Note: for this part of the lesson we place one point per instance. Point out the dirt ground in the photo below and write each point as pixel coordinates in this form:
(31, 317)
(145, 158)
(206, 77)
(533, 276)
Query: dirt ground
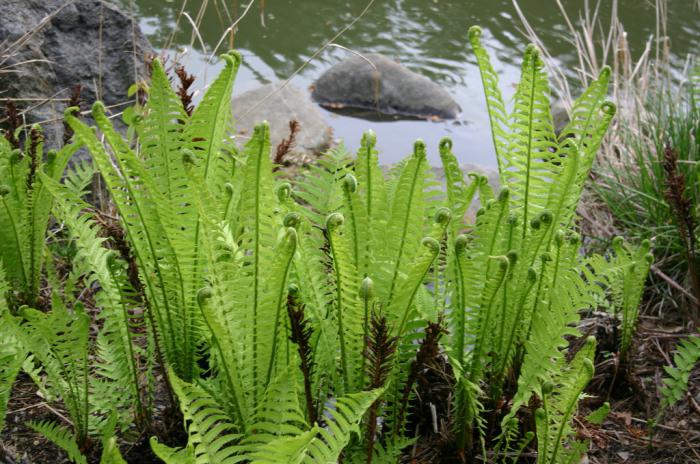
(624, 437)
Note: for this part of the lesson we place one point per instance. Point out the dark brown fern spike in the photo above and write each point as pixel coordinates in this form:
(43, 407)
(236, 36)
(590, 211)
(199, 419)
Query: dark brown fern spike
(301, 333)
(35, 139)
(683, 211)
(380, 347)
(183, 89)
(75, 100)
(426, 359)
(14, 122)
(286, 144)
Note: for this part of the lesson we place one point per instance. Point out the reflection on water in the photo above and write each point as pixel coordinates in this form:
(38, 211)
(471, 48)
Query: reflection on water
(428, 36)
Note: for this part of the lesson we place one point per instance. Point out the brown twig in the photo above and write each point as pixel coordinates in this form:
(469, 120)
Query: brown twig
(428, 351)
(685, 221)
(380, 347)
(35, 140)
(301, 333)
(286, 145)
(14, 122)
(183, 89)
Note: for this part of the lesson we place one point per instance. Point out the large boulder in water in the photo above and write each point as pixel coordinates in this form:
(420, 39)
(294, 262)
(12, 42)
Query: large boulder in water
(280, 104)
(376, 82)
(47, 47)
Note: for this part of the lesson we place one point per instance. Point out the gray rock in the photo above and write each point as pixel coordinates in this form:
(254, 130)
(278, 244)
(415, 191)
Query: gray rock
(49, 46)
(283, 104)
(384, 86)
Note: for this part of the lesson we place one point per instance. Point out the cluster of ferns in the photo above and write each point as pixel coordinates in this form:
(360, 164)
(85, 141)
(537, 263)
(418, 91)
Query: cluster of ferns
(304, 321)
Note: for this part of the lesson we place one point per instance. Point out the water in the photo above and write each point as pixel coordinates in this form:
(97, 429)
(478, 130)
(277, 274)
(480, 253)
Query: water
(428, 36)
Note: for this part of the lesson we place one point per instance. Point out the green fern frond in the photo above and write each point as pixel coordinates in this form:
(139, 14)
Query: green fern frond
(279, 413)
(288, 449)
(211, 434)
(624, 274)
(110, 448)
(405, 223)
(398, 310)
(205, 133)
(160, 133)
(319, 190)
(139, 205)
(12, 356)
(598, 416)
(171, 455)
(25, 207)
(117, 347)
(257, 226)
(460, 194)
(344, 416)
(529, 166)
(494, 100)
(111, 453)
(61, 437)
(347, 311)
(676, 383)
(561, 293)
(372, 192)
(79, 177)
(59, 340)
(560, 397)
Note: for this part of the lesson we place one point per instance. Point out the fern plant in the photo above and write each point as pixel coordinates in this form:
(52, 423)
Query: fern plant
(352, 281)
(623, 274)
(149, 187)
(517, 276)
(85, 378)
(100, 380)
(676, 383)
(12, 354)
(25, 207)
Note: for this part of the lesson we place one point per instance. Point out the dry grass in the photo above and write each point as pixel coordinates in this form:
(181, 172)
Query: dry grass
(633, 78)
(647, 90)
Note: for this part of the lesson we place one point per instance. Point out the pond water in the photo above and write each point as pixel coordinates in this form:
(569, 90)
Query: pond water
(277, 37)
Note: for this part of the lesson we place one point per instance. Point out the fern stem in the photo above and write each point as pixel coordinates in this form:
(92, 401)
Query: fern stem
(530, 128)
(238, 402)
(565, 419)
(479, 345)
(546, 434)
(13, 223)
(353, 224)
(460, 325)
(280, 299)
(368, 167)
(339, 300)
(513, 331)
(553, 285)
(256, 260)
(140, 410)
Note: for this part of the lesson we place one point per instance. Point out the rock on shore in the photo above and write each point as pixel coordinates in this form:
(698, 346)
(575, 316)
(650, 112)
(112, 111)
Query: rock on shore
(49, 46)
(280, 105)
(376, 82)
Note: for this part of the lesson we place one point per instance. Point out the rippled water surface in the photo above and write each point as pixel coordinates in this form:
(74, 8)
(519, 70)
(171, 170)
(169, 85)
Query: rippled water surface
(428, 36)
